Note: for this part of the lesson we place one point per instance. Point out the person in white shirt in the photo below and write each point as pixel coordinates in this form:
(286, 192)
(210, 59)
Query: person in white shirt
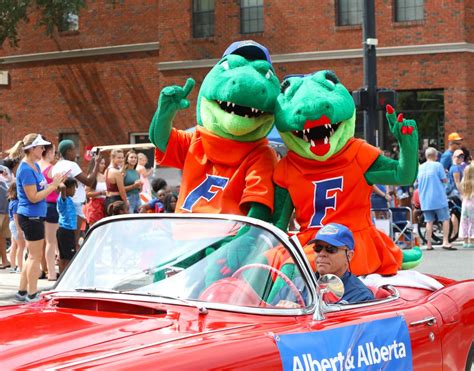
(67, 165)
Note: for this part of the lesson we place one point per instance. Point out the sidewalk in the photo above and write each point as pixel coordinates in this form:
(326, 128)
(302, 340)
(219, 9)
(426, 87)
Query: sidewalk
(9, 283)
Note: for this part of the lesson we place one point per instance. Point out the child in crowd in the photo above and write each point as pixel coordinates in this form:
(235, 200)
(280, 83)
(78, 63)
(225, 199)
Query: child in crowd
(467, 212)
(170, 202)
(18, 240)
(160, 189)
(117, 208)
(66, 233)
(156, 205)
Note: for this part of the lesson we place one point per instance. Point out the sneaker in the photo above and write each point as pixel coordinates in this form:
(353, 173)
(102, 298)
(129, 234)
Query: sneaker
(468, 245)
(36, 297)
(12, 270)
(19, 297)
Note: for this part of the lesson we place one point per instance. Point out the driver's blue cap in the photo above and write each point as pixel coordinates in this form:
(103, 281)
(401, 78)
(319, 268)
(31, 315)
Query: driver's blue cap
(335, 234)
(249, 49)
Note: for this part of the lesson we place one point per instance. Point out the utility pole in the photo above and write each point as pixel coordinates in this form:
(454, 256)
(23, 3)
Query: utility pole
(370, 70)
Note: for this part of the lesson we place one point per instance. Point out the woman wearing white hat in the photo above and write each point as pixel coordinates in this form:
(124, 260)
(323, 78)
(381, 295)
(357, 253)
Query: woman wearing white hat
(32, 190)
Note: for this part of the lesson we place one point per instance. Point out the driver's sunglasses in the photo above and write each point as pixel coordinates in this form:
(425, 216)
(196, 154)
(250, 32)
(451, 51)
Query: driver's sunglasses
(329, 248)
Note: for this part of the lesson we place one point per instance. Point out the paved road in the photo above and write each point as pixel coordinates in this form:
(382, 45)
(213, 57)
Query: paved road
(453, 264)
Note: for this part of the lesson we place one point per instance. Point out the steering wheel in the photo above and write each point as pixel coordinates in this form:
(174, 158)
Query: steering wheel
(280, 274)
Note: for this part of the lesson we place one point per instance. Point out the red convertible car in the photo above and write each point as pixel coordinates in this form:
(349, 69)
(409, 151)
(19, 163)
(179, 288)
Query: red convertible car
(169, 291)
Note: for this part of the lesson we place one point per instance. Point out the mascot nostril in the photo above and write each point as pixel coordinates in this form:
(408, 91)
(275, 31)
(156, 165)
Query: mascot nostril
(327, 175)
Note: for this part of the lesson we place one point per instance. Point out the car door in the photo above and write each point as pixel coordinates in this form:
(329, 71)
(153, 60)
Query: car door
(423, 323)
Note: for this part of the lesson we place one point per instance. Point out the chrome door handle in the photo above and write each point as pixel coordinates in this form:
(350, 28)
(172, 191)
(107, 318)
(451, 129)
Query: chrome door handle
(430, 321)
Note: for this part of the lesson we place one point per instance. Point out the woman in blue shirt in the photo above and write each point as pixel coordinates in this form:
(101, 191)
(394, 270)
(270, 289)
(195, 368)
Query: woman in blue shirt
(32, 190)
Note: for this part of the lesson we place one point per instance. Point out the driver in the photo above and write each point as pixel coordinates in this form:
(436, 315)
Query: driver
(334, 248)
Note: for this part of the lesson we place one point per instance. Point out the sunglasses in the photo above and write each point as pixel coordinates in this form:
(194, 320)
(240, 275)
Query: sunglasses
(329, 248)
(460, 156)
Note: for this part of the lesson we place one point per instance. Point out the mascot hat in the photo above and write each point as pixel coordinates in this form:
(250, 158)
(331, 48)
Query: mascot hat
(249, 49)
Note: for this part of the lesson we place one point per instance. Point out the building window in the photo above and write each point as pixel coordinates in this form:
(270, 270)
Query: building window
(203, 18)
(251, 16)
(70, 22)
(426, 107)
(409, 10)
(349, 12)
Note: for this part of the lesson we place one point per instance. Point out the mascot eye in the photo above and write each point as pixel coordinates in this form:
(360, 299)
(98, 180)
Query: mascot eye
(269, 74)
(332, 78)
(284, 85)
(225, 65)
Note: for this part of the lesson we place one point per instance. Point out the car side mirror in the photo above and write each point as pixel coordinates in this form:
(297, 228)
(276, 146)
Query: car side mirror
(331, 288)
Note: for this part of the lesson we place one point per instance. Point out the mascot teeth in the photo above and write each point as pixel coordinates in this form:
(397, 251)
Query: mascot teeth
(320, 134)
(235, 109)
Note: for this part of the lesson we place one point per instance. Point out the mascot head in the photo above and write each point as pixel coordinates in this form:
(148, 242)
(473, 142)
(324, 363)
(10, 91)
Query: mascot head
(315, 114)
(238, 96)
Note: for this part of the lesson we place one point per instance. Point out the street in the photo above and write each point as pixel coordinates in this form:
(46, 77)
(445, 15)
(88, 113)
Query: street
(452, 264)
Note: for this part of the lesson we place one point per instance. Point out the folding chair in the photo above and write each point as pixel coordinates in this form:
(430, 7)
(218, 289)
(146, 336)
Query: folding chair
(382, 218)
(402, 228)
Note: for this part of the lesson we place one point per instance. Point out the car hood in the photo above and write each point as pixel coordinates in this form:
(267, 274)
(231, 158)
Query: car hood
(42, 335)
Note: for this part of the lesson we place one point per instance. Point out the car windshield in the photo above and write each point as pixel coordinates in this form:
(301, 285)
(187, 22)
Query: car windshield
(191, 259)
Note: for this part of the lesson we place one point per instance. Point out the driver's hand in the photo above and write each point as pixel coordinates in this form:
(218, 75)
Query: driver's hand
(287, 304)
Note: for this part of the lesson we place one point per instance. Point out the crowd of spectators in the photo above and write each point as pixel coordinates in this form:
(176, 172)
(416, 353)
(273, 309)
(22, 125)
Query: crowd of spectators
(442, 183)
(47, 201)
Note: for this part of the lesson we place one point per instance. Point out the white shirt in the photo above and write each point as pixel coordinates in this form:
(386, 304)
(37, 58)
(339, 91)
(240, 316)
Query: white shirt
(62, 167)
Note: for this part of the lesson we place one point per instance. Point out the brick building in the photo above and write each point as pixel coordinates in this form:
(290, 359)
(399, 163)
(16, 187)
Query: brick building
(98, 81)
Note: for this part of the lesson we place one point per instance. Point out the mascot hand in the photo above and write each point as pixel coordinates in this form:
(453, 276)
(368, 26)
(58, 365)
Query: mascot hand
(174, 98)
(403, 130)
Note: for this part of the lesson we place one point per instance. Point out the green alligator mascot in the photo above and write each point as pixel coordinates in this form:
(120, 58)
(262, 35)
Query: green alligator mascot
(227, 163)
(327, 175)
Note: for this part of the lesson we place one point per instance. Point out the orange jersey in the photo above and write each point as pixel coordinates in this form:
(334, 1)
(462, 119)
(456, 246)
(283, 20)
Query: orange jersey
(336, 191)
(219, 175)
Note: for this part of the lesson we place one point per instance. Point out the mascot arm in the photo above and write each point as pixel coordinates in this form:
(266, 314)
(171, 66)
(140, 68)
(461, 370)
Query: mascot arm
(283, 208)
(172, 99)
(260, 211)
(402, 172)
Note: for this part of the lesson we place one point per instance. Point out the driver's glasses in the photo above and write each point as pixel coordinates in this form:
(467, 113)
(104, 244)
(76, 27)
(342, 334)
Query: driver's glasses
(329, 248)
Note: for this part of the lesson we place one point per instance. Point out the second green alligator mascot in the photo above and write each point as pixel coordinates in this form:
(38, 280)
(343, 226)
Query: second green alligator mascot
(328, 174)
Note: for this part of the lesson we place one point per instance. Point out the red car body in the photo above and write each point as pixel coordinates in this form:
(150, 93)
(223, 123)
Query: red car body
(67, 330)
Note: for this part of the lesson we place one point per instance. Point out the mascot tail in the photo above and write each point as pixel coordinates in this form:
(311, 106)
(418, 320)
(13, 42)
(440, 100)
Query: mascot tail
(411, 258)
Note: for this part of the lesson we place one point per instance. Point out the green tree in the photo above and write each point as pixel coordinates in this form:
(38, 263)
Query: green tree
(52, 15)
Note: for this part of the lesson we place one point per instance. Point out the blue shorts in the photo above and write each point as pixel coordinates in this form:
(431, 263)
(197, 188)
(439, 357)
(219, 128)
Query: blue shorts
(439, 214)
(52, 215)
(14, 230)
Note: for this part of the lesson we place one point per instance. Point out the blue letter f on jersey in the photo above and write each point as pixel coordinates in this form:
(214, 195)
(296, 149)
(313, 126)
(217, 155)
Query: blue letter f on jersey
(203, 190)
(321, 200)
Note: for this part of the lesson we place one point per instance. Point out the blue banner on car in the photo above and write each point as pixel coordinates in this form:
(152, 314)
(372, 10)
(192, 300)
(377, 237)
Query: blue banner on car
(379, 345)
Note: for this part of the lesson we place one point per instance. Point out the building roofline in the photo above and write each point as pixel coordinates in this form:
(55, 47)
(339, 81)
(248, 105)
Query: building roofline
(80, 53)
(388, 51)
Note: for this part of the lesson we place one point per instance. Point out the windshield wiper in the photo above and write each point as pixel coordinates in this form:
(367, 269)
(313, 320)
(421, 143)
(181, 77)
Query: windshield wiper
(201, 309)
(94, 289)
